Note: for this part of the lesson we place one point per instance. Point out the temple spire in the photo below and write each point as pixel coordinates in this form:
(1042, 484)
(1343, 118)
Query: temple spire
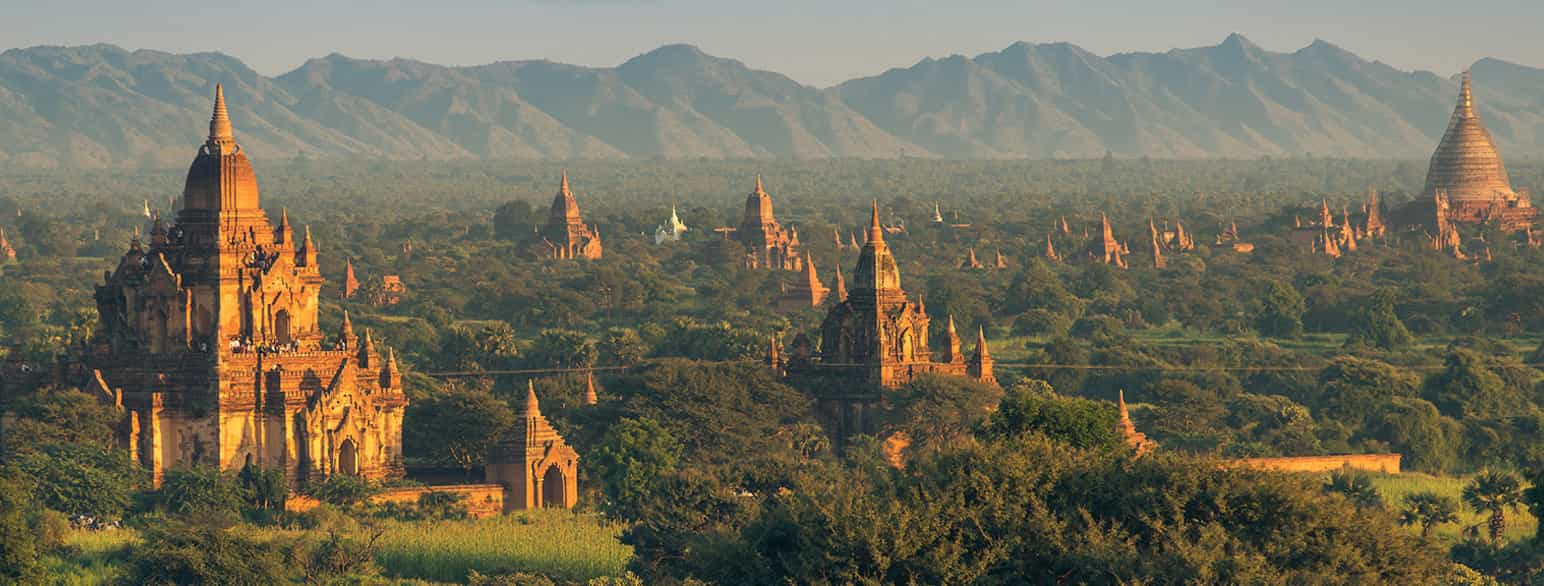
(1466, 97)
(876, 232)
(220, 136)
(759, 190)
(532, 407)
(841, 285)
(981, 350)
(590, 398)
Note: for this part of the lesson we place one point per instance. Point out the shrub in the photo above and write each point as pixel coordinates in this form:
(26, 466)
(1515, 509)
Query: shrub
(81, 479)
(341, 490)
(182, 553)
(201, 491)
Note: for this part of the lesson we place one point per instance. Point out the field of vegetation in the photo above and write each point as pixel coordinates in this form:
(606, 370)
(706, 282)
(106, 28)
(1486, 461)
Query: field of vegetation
(1394, 488)
(558, 544)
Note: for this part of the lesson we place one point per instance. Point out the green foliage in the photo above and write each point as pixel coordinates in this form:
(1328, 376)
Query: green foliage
(1468, 388)
(556, 348)
(1356, 487)
(341, 490)
(622, 346)
(1428, 510)
(266, 488)
(18, 544)
(1280, 314)
(200, 492)
(53, 416)
(1030, 407)
(1375, 324)
(81, 479)
(177, 553)
(1494, 492)
(456, 426)
(936, 409)
(630, 461)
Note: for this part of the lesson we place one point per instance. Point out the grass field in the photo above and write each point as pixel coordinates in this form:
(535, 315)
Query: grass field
(1520, 524)
(556, 543)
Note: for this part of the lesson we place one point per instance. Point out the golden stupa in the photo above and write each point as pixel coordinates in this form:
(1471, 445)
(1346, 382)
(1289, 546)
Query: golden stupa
(1467, 181)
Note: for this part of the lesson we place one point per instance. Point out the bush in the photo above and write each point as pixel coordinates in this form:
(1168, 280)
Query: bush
(341, 490)
(182, 553)
(81, 479)
(201, 491)
(1041, 322)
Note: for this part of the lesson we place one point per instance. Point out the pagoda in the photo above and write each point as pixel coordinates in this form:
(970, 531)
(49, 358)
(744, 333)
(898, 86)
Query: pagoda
(1466, 170)
(768, 245)
(566, 236)
(875, 339)
(209, 341)
(671, 230)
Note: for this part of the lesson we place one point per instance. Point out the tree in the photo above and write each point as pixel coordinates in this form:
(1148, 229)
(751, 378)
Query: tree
(1356, 487)
(1468, 388)
(81, 479)
(18, 546)
(265, 488)
(1031, 407)
(631, 459)
(1428, 509)
(623, 347)
(61, 416)
(201, 491)
(192, 553)
(513, 220)
(1376, 324)
(933, 408)
(562, 349)
(456, 427)
(1281, 311)
(1494, 492)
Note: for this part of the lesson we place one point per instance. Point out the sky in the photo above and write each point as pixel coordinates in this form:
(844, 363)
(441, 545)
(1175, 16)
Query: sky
(818, 43)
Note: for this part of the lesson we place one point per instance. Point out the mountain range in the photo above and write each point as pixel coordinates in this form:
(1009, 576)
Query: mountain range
(102, 106)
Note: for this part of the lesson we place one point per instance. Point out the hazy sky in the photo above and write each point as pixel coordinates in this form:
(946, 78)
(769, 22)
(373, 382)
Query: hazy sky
(815, 42)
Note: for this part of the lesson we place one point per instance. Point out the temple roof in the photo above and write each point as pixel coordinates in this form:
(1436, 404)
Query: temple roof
(565, 209)
(1466, 164)
(758, 208)
(220, 178)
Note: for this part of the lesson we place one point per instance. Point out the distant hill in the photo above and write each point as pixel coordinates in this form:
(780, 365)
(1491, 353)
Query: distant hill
(100, 106)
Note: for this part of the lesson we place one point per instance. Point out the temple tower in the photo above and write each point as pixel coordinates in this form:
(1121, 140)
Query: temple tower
(565, 235)
(209, 336)
(537, 468)
(1467, 169)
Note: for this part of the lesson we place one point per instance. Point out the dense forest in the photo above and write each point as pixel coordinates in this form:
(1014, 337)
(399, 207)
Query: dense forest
(718, 471)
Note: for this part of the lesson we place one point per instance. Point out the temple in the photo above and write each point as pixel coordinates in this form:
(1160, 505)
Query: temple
(767, 244)
(566, 236)
(208, 339)
(876, 338)
(671, 230)
(1127, 431)
(533, 463)
(1467, 182)
(805, 292)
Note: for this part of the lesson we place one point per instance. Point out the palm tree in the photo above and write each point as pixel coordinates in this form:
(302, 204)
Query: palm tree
(1356, 487)
(1428, 509)
(1493, 492)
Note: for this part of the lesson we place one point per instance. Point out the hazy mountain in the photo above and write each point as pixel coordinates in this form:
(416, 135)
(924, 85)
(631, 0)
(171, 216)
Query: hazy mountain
(100, 105)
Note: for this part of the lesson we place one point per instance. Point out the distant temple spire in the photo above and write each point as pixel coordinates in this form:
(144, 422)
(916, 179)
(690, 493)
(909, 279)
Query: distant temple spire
(590, 398)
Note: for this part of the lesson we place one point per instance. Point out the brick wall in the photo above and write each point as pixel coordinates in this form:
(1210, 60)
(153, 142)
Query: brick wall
(481, 500)
(1385, 463)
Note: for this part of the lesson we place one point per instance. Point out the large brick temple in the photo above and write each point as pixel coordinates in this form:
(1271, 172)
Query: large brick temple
(208, 338)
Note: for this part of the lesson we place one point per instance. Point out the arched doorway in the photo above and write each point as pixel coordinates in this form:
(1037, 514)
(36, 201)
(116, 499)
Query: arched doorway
(553, 490)
(281, 326)
(348, 458)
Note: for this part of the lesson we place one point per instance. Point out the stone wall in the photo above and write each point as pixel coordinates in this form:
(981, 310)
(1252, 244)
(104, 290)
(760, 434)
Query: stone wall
(480, 500)
(1384, 463)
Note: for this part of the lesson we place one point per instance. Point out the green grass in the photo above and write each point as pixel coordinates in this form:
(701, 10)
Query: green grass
(90, 557)
(1520, 524)
(557, 543)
